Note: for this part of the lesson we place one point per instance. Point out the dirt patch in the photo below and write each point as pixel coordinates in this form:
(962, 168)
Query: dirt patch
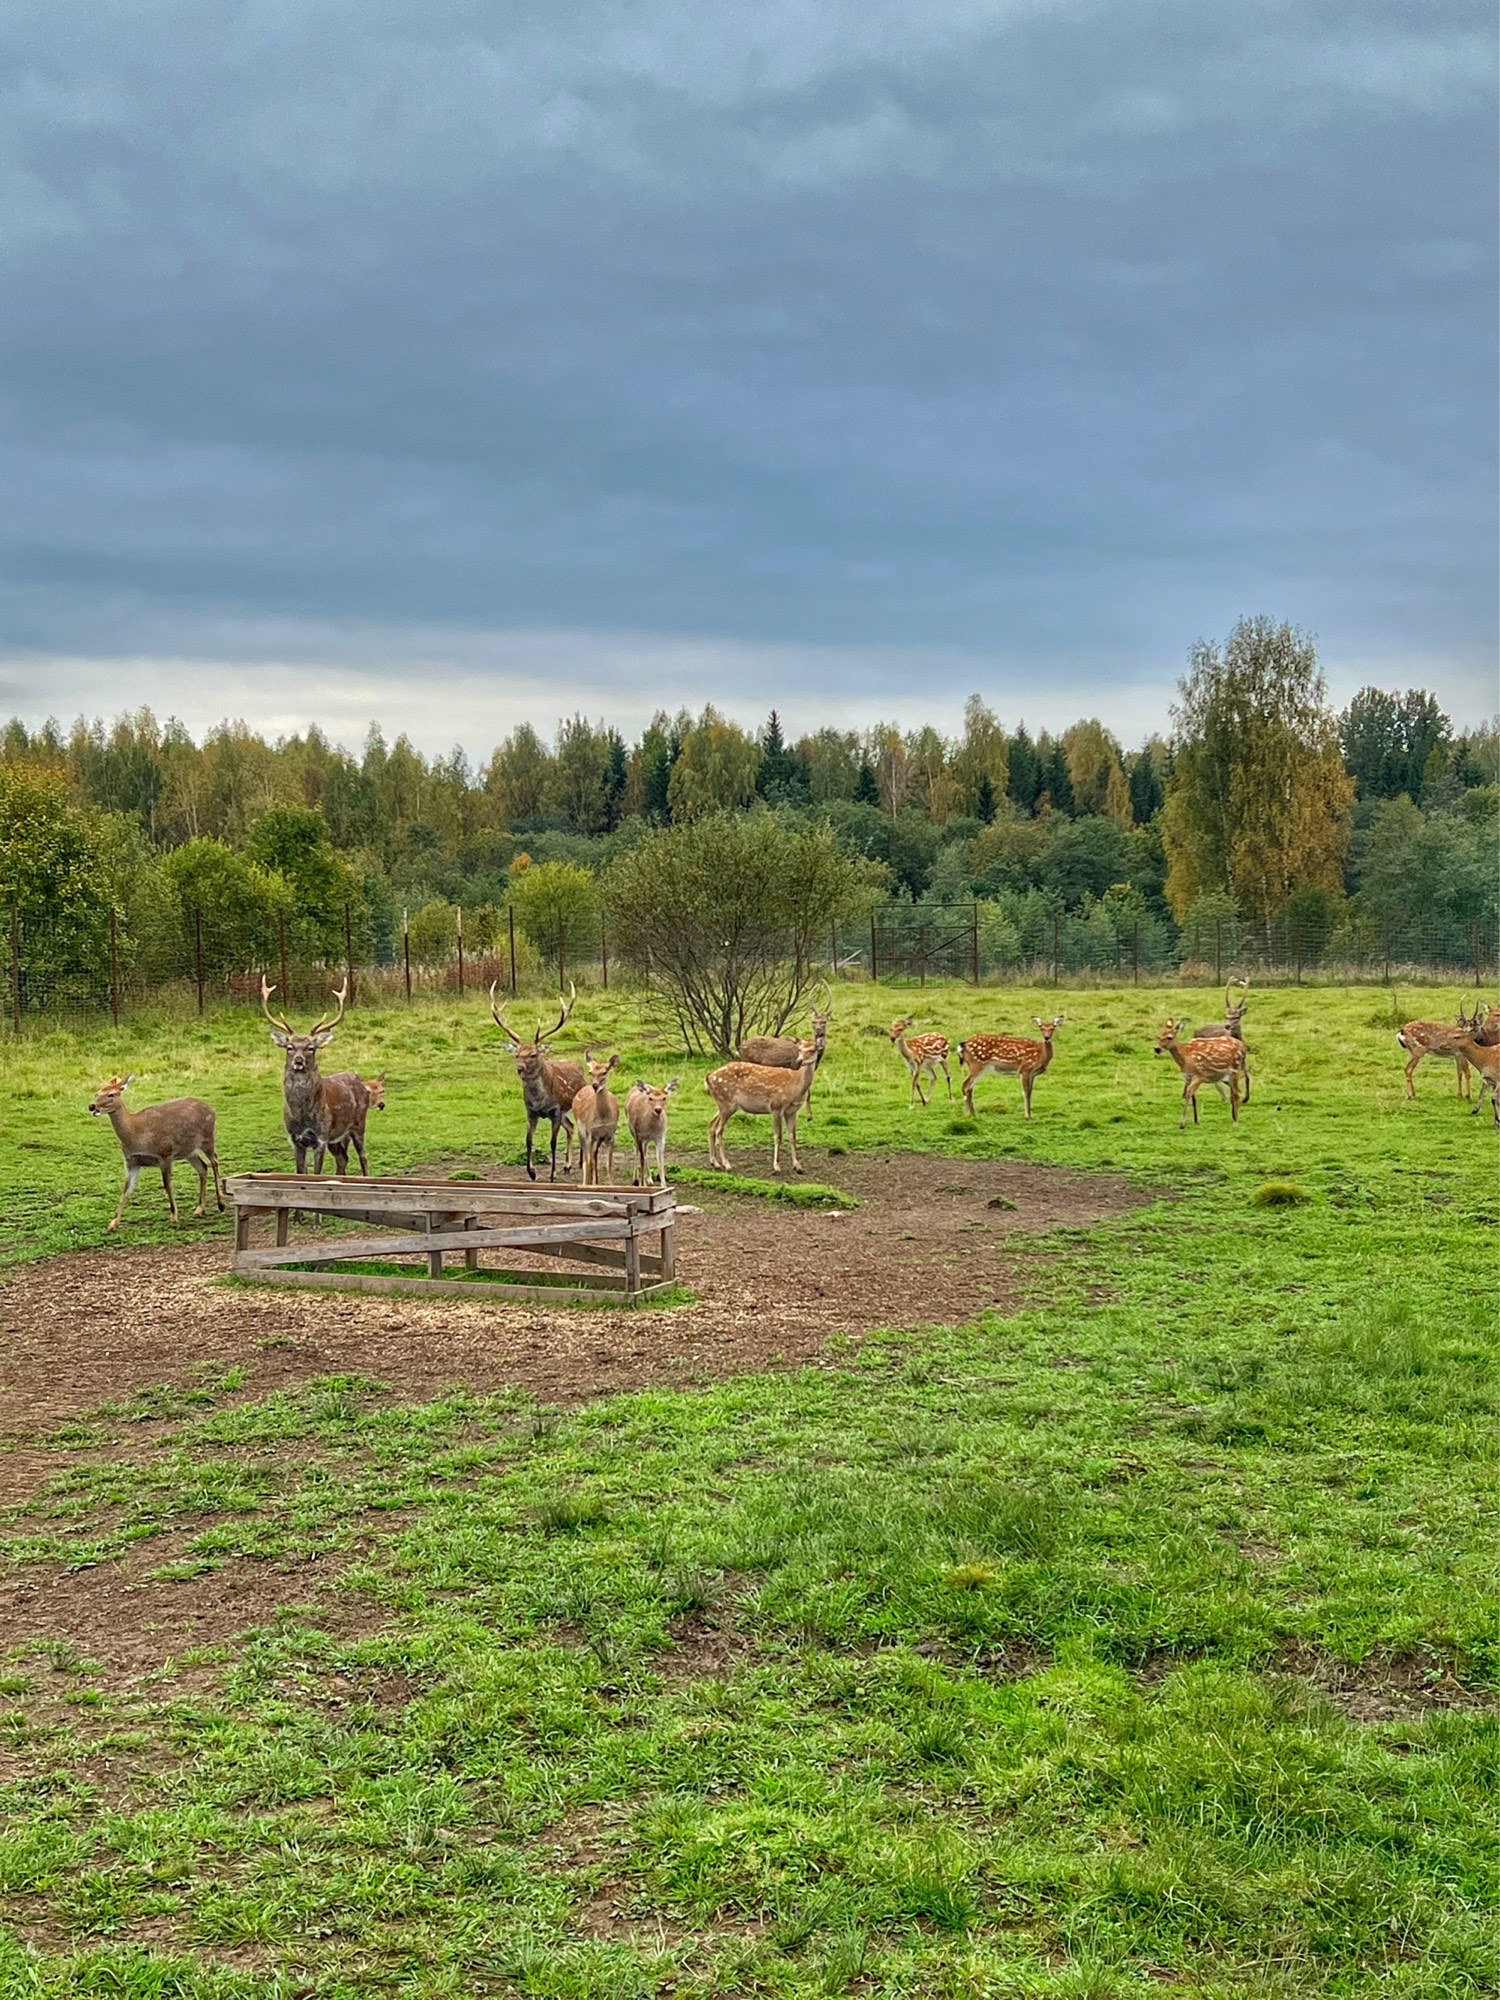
(1382, 1688)
(774, 1285)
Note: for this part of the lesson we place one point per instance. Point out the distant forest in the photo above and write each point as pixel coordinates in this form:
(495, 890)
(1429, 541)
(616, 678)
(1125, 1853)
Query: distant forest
(1383, 815)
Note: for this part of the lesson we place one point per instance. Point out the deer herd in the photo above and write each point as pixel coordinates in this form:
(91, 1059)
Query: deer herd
(772, 1077)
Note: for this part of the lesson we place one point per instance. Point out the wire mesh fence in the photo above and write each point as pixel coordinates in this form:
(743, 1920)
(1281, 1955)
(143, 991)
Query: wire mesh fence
(199, 959)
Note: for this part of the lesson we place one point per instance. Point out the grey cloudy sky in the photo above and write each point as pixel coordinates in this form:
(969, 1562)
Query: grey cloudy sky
(455, 363)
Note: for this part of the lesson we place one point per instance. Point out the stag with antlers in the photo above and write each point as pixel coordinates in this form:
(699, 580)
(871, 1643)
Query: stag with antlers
(924, 1055)
(1218, 1059)
(313, 1105)
(1421, 1039)
(182, 1129)
(1007, 1055)
(548, 1087)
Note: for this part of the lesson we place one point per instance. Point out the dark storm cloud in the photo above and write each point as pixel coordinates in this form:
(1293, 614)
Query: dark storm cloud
(1027, 337)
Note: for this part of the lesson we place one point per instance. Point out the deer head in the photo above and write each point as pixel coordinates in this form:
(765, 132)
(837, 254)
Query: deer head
(1167, 1040)
(599, 1072)
(375, 1089)
(110, 1096)
(301, 1050)
(1234, 1014)
(530, 1056)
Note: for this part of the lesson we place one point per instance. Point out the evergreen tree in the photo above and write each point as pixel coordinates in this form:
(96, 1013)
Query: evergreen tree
(1025, 779)
(867, 791)
(985, 803)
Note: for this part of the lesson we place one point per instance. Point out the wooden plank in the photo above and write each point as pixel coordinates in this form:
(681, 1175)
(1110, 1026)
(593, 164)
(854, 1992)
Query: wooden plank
(498, 1295)
(668, 1258)
(633, 1265)
(585, 1253)
(260, 1187)
(283, 1221)
(353, 1248)
(353, 1196)
(242, 1228)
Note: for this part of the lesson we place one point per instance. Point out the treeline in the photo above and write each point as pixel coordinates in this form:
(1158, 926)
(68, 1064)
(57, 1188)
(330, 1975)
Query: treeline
(1259, 802)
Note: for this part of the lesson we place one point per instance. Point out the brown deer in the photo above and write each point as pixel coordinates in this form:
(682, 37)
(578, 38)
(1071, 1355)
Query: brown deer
(924, 1055)
(352, 1099)
(596, 1113)
(646, 1115)
(1007, 1055)
(548, 1087)
(1485, 1057)
(1219, 1060)
(1449, 1044)
(763, 1091)
(182, 1129)
(784, 1051)
(1232, 1024)
(310, 1107)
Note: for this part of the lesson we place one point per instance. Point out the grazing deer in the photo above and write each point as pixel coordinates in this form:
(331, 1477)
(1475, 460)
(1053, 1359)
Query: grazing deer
(1219, 1060)
(310, 1108)
(596, 1113)
(646, 1115)
(182, 1129)
(352, 1099)
(924, 1055)
(1232, 1024)
(548, 1087)
(1449, 1044)
(1007, 1055)
(785, 1051)
(763, 1091)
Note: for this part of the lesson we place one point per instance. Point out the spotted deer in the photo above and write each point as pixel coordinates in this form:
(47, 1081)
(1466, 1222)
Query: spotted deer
(762, 1091)
(310, 1108)
(1449, 1043)
(1232, 1024)
(547, 1086)
(596, 1113)
(646, 1115)
(784, 1051)
(1007, 1055)
(157, 1136)
(924, 1055)
(1215, 1059)
(1485, 1057)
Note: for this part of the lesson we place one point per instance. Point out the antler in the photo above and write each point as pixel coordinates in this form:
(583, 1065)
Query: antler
(276, 1020)
(341, 996)
(500, 1021)
(827, 992)
(562, 1019)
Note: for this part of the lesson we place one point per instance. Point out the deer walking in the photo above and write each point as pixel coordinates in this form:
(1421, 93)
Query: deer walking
(1231, 1025)
(158, 1135)
(1219, 1060)
(351, 1100)
(310, 1107)
(596, 1113)
(785, 1051)
(1485, 1057)
(646, 1115)
(1007, 1055)
(762, 1091)
(1448, 1043)
(924, 1055)
(548, 1087)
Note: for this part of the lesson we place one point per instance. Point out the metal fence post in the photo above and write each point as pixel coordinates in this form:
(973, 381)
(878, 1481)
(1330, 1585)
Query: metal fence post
(561, 972)
(406, 951)
(1056, 946)
(459, 913)
(874, 951)
(1135, 954)
(604, 953)
(1218, 951)
(348, 953)
(512, 915)
(114, 970)
(921, 954)
(286, 984)
(974, 945)
(198, 951)
(15, 967)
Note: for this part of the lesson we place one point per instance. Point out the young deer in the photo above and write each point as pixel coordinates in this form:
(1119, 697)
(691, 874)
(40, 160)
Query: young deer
(646, 1115)
(351, 1100)
(1219, 1060)
(763, 1091)
(310, 1108)
(785, 1051)
(182, 1129)
(1449, 1044)
(596, 1113)
(548, 1087)
(924, 1055)
(1485, 1057)
(1007, 1055)
(1231, 1025)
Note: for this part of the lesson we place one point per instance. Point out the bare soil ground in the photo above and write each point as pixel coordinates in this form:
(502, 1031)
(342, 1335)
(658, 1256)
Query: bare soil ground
(925, 1246)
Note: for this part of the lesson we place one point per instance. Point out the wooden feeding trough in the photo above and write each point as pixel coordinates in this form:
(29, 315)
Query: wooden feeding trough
(422, 1222)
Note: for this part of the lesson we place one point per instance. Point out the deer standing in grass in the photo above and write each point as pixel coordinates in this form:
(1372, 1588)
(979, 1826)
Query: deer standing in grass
(646, 1115)
(1449, 1044)
(1485, 1057)
(313, 1104)
(1219, 1060)
(1007, 1055)
(762, 1091)
(1231, 1025)
(924, 1055)
(596, 1113)
(352, 1098)
(785, 1051)
(182, 1129)
(549, 1087)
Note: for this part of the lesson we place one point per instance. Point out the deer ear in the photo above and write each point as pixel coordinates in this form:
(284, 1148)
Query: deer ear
(322, 1041)
(674, 1086)
(281, 1041)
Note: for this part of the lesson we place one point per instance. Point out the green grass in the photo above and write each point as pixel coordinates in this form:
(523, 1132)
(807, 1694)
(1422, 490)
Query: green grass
(999, 1660)
(797, 1194)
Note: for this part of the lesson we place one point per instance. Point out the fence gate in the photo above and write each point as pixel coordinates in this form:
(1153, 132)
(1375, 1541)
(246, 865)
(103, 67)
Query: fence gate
(909, 942)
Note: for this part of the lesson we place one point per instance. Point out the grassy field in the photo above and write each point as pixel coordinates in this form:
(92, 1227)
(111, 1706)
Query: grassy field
(1139, 1642)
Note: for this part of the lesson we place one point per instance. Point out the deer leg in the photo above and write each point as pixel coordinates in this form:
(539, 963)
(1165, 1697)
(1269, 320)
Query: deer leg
(553, 1175)
(133, 1174)
(213, 1161)
(531, 1118)
(1463, 1077)
(1026, 1091)
(661, 1161)
(359, 1147)
(340, 1159)
(946, 1078)
(1411, 1086)
(166, 1181)
(775, 1142)
(202, 1166)
(791, 1130)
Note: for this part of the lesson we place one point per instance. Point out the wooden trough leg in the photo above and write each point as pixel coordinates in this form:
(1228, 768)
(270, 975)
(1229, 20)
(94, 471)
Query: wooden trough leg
(241, 1227)
(632, 1263)
(471, 1257)
(283, 1224)
(668, 1253)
